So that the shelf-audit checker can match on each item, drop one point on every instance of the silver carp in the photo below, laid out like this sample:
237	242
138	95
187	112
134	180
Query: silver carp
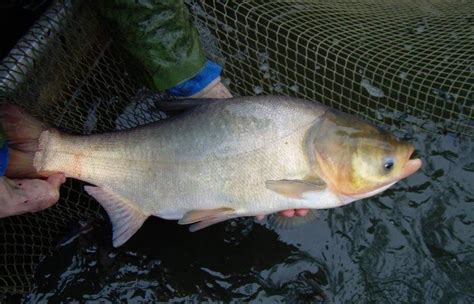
238	157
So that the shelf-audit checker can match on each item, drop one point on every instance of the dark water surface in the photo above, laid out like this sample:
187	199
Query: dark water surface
412	243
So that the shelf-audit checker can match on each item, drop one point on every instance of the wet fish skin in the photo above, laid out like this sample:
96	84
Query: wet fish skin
217	155
240	157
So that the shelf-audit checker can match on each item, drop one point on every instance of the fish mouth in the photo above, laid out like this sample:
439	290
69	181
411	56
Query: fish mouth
411	166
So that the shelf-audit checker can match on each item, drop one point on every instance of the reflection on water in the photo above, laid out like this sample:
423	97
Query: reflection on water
164	261
413	243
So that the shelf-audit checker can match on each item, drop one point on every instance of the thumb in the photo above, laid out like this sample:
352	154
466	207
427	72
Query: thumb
56	180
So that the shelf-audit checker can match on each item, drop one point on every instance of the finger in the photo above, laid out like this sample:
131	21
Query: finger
56	180
288	213
301	212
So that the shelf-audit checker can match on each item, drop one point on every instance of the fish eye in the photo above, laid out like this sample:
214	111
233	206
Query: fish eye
388	163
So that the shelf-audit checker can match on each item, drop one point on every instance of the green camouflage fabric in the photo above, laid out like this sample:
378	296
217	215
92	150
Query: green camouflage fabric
159	36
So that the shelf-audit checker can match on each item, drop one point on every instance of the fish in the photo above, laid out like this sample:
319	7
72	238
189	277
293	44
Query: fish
220	160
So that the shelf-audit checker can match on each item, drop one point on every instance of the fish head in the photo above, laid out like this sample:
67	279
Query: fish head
355	158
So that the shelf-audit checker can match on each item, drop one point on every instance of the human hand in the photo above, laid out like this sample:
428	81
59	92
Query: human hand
214	90
20	196
288	213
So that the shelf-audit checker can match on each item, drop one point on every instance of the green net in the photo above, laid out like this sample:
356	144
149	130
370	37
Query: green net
371	58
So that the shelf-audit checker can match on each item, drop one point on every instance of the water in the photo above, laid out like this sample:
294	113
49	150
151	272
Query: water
412	243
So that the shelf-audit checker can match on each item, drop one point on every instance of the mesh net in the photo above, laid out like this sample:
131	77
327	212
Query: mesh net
372	58
363	57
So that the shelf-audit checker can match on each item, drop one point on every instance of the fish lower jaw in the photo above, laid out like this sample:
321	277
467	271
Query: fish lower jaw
351	198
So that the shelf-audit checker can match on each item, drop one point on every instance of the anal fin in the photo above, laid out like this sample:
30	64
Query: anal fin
126	218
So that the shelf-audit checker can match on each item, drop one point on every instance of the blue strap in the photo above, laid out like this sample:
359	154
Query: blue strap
3	158
209	72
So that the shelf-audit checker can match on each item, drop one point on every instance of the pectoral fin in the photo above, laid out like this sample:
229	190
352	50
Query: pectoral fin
126	219
205	218
284	222
295	188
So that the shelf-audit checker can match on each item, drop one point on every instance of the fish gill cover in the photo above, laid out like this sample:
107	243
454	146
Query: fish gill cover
408	65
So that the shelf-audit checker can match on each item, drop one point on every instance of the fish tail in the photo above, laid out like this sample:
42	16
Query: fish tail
22	133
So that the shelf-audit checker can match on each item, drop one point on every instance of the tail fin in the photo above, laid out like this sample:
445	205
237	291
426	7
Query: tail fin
22	132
